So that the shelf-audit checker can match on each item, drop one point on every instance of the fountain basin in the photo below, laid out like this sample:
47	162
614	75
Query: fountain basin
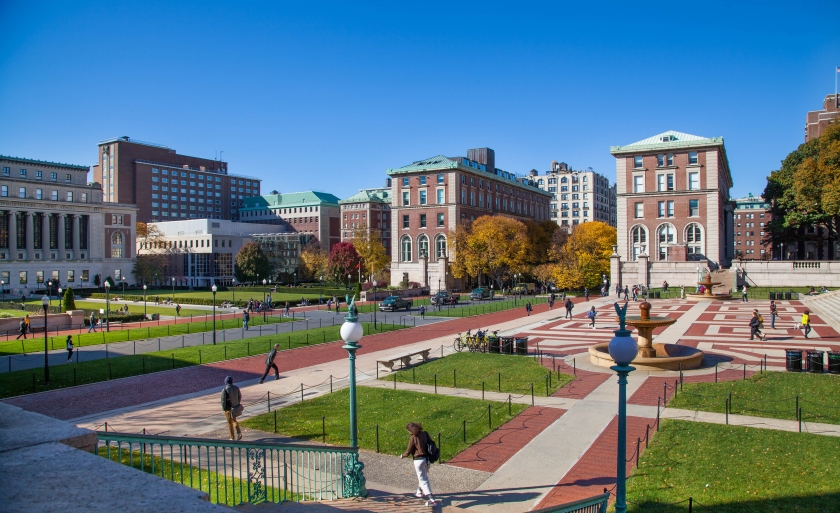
670	357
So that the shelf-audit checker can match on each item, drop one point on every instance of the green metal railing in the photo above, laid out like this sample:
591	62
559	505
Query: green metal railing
233	472
596	504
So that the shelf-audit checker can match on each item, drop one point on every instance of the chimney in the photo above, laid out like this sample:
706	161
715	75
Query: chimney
484	156
388	182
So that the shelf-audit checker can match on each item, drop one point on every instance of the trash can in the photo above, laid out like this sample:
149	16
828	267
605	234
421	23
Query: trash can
815	362
522	346
494	344
507	345
793	360
833	362
788	296
656	294
772	296
155	317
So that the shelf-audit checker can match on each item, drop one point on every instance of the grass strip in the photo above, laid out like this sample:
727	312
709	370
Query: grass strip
387	412
72	374
484	307
495	372
221	488
731	469
770	394
35	344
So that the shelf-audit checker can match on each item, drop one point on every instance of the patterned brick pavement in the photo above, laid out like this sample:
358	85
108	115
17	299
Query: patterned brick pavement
496	448
653	389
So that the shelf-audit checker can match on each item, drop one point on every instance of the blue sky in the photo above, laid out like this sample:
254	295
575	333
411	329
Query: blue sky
319	95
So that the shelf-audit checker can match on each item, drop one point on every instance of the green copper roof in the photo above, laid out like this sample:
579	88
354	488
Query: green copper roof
439	162
43	163
667	140
290	199
379	195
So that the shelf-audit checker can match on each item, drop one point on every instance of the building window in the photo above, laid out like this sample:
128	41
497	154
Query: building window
694	241
440	219
440	196
71	276
117	245
665	235
637	162
405	221
693	208
665	182
692	157
422	220
405	182
638	236
694	181
422	197
423	246
23	172
4	191
22	192
440	246
670	209
439	178
54	177
640	210
54	195
405	249
69	195
639	183
422	180
22	277
405	198
669	159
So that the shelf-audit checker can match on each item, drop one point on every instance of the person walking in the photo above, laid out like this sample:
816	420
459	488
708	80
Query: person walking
422	311
22	329
418	440
231	405
755	326
28	322
177	310
772	315
806	322
528	307
592	313
586	294
92	322
635	293
287	309
245	318
618	290
569	305
744	298
269	364
626	292
69	347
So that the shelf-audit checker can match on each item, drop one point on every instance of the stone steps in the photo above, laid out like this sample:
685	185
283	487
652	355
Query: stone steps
826	306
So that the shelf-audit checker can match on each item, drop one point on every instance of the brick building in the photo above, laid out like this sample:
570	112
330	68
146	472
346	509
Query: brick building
309	213
673	199
751	216
433	195
167	186
578	196
817	120
55	227
369	209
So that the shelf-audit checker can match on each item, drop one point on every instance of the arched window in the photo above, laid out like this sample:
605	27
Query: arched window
117	238
440	246
405	249
117	245
694	241
666	237
423	246
638	237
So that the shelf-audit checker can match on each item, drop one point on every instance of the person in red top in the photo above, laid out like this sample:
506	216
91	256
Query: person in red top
417	443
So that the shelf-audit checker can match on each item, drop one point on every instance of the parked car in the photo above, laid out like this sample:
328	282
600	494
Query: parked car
480	293
394	303
524	288
444	298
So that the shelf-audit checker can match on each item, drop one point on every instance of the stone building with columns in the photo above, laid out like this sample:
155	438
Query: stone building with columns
55	228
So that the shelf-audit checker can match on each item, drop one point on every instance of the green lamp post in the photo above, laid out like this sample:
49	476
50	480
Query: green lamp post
351	333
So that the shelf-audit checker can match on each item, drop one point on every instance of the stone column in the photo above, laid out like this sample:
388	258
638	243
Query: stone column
643	270
45	234
61	236
30	235
615	269
12	235
76	237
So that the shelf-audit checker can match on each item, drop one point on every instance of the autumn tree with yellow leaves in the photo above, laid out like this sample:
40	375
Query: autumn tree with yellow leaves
375	260
491	246
313	261
585	256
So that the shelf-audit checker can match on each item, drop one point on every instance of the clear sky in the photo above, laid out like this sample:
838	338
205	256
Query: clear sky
326	96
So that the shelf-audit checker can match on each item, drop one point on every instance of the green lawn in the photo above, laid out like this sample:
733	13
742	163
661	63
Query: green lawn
499	373
732	469
221	489
390	410
13	313
151	308
241	293
771	394
487	306
35	343
62	376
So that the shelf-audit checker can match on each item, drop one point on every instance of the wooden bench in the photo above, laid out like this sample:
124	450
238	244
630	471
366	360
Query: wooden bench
404	358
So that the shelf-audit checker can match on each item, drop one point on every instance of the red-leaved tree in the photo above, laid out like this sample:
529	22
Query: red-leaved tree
343	260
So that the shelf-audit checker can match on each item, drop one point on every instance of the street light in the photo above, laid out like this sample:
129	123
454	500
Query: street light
352	332
173	289
295	282
49	291
144	300
123	283
233	286
45	302
348	281
214	289
3	289
321	297
264	284
107	304
60	307
623	349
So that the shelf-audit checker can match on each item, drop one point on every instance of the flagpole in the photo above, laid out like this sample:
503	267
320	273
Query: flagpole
836	72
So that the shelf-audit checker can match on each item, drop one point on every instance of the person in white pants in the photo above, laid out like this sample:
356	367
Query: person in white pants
417	443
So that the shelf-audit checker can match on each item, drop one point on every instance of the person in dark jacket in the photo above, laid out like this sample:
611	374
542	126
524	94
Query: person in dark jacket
231	399
417	443
528	307
245	318
22	329
69	347
569	305
755	326
269	364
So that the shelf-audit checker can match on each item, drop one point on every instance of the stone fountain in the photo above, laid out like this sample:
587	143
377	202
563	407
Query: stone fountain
707	295
651	356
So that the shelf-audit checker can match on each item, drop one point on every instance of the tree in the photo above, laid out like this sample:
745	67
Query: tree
544	274
97	280
492	245
69	300
343	260
585	257
152	252
110	282
375	260
540	236
251	264
313	260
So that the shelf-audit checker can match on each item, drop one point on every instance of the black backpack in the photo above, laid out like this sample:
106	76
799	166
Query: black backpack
432	451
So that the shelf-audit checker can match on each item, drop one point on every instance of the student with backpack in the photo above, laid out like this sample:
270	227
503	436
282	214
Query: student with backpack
69	347
591	314
424	451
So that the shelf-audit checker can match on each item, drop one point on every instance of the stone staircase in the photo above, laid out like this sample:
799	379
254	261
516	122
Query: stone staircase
826	305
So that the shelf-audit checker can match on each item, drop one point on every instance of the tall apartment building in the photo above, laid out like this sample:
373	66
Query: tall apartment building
751	216
54	227
310	213
673	199
578	196
817	120
433	195
167	186
369	209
